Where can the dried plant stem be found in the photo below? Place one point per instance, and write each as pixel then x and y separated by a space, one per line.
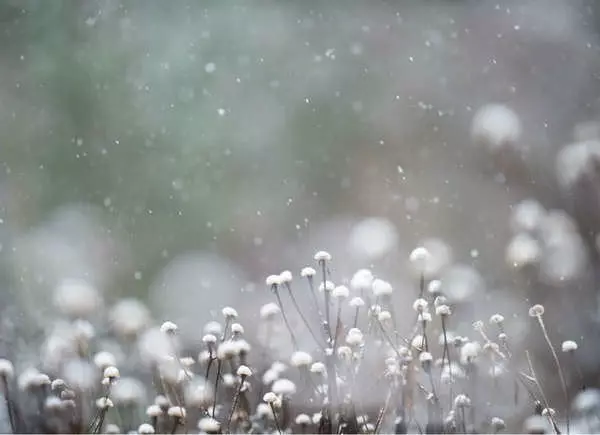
pixel 561 376
pixel 541 391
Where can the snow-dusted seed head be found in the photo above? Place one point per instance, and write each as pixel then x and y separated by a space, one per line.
pixel 104 359
pixel 462 401
pixel 424 317
pixel 496 319
pixel 209 425
pixel 209 339
pixel 498 424
pixel 327 286
pixel 286 277
pixel 322 256
pixel 548 412
pixel 270 397
pixel 354 337
pixel 417 342
pixel 443 310
pixel 176 412
pixel 569 346
pixel 270 310
pixel 301 359
pixel 154 411
pixel 478 325
pixel 57 384
pixel 111 373
pixel 213 328
pixel 344 352
pixel 244 371
pixel 434 287
pixel 384 316
pixel 283 387
pixel 302 420
pixel 340 292
pixel 318 367
pixel 273 280
pixel 168 327
pixel 145 429
pixel 420 305
pixel 469 352
pixel 227 350
pixel 536 310
pixel 495 126
pixel 425 358
pixel 381 287
pixel 7 369
pixel 308 272
pixel 419 258
pixel 362 280
pixel 229 313
pixel 104 403
pixel 236 328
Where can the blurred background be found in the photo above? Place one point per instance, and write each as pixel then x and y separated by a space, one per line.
pixel 179 152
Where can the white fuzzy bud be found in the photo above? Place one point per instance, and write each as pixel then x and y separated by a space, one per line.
pixel 145 429
pixel 229 313
pixel 322 256
pixel 285 277
pixel 168 327
pixel 302 419
pixel 536 310
pixel 308 272
pixel 111 373
pixel 420 305
pixel 419 258
pixel 318 367
pixel 356 302
pixel 176 412
pixel 569 346
pixel 273 280
pixel 301 359
pixel 327 286
pixel 7 369
pixel 442 310
pixel 341 292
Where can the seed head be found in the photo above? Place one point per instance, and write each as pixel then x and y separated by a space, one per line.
pixel 145 429
pixel 229 313
pixel 308 272
pixel 569 346
pixel 536 310
pixel 244 371
pixel 419 258
pixel 420 305
pixel 301 359
pixel 168 327
pixel 7 369
pixel 356 302
pixel 322 256
pixel 341 292
pixel 273 280
pixel 111 373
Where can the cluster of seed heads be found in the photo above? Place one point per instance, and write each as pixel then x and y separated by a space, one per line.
pixel 352 367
